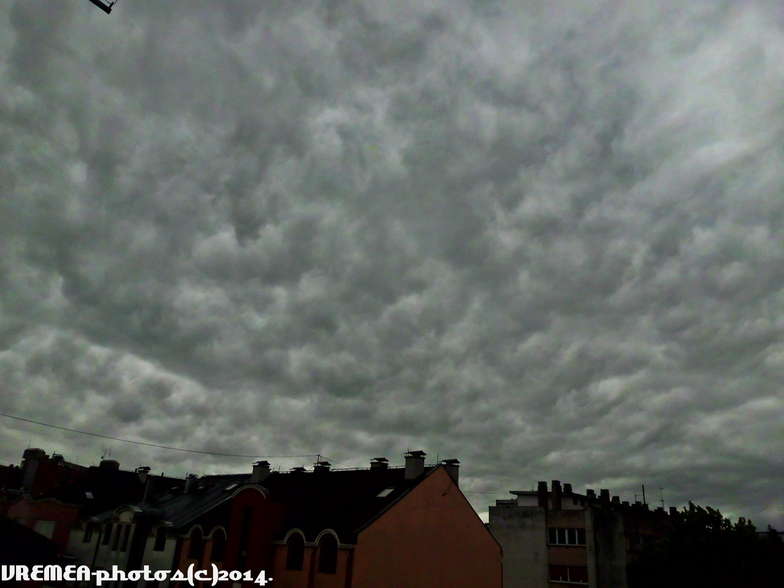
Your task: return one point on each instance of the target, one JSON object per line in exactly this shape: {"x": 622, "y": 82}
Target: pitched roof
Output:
{"x": 345, "y": 501}
{"x": 342, "y": 500}
{"x": 183, "y": 508}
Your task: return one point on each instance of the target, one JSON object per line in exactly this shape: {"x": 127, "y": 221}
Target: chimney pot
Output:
{"x": 541, "y": 494}
{"x": 556, "y": 495}
{"x": 190, "y": 483}
{"x": 149, "y": 489}
{"x": 143, "y": 472}
{"x": 452, "y": 467}
{"x": 567, "y": 488}
{"x": 415, "y": 464}
{"x": 109, "y": 464}
{"x": 261, "y": 470}
{"x": 321, "y": 467}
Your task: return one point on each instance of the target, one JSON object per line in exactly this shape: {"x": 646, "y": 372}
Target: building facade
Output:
{"x": 554, "y": 537}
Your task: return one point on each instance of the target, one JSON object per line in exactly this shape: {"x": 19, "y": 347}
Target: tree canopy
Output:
{"x": 705, "y": 549}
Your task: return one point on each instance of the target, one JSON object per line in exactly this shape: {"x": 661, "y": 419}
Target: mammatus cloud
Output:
{"x": 543, "y": 237}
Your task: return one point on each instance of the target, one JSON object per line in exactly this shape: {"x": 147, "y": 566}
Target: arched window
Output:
{"x": 218, "y": 545}
{"x": 107, "y": 534}
{"x": 160, "y": 539}
{"x": 197, "y": 544}
{"x": 328, "y": 554}
{"x": 296, "y": 552}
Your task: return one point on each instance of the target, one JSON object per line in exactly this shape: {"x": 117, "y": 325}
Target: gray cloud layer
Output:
{"x": 543, "y": 237}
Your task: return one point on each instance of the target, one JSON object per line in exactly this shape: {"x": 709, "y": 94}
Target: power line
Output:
{"x": 149, "y": 444}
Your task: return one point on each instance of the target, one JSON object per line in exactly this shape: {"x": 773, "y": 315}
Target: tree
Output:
{"x": 705, "y": 549}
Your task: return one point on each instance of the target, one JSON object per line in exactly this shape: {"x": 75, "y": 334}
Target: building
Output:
{"x": 376, "y": 527}
{"x": 48, "y": 494}
{"x": 382, "y": 527}
{"x": 556, "y": 537}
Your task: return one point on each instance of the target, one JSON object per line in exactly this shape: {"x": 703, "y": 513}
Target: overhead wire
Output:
{"x": 219, "y": 454}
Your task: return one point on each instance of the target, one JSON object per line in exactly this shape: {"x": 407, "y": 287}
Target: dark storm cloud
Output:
{"x": 542, "y": 237}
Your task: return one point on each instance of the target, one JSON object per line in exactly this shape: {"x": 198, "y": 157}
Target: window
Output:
{"x": 197, "y": 544}
{"x": 160, "y": 539}
{"x": 116, "y": 537}
{"x": 566, "y": 536}
{"x": 571, "y": 536}
{"x": 559, "y": 573}
{"x": 328, "y": 554}
{"x": 107, "y": 534}
{"x": 572, "y": 574}
{"x": 247, "y": 517}
{"x": 295, "y": 553}
{"x": 126, "y": 531}
{"x": 45, "y": 528}
{"x": 218, "y": 545}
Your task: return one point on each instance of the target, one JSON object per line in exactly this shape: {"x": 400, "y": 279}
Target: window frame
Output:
{"x": 566, "y": 536}
{"x": 192, "y": 544}
{"x": 298, "y": 540}
{"x": 328, "y": 559}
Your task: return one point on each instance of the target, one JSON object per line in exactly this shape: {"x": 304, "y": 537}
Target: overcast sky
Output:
{"x": 543, "y": 237}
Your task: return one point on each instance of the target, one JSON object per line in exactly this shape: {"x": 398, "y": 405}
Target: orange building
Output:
{"x": 381, "y": 528}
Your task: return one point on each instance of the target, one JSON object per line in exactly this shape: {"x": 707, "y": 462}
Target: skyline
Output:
{"x": 544, "y": 238}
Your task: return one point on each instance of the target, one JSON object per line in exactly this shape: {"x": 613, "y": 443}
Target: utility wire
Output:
{"x": 150, "y": 444}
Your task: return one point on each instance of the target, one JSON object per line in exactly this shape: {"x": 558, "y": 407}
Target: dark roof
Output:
{"x": 181, "y": 509}
{"x": 20, "y": 545}
{"x": 345, "y": 501}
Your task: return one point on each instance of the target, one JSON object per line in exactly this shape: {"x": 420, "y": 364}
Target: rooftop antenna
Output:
{"x": 643, "y": 494}
{"x": 661, "y": 490}
{"x": 107, "y": 8}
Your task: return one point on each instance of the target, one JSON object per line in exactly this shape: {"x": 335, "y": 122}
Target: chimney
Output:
{"x": 567, "y": 489}
{"x": 452, "y": 467}
{"x": 321, "y": 467}
{"x": 604, "y": 496}
{"x": 556, "y": 495}
{"x": 616, "y": 500}
{"x": 143, "y": 472}
{"x": 673, "y": 510}
{"x": 190, "y": 483}
{"x": 590, "y": 493}
{"x": 541, "y": 494}
{"x": 149, "y": 489}
{"x": 298, "y": 470}
{"x": 626, "y": 503}
{"x": 109, "y": 464}
{"x": 415, "y": 464}
{"x": 30, "y": 459}
{"x": 379, "y": 463}
{"x": 261, "y": 469}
